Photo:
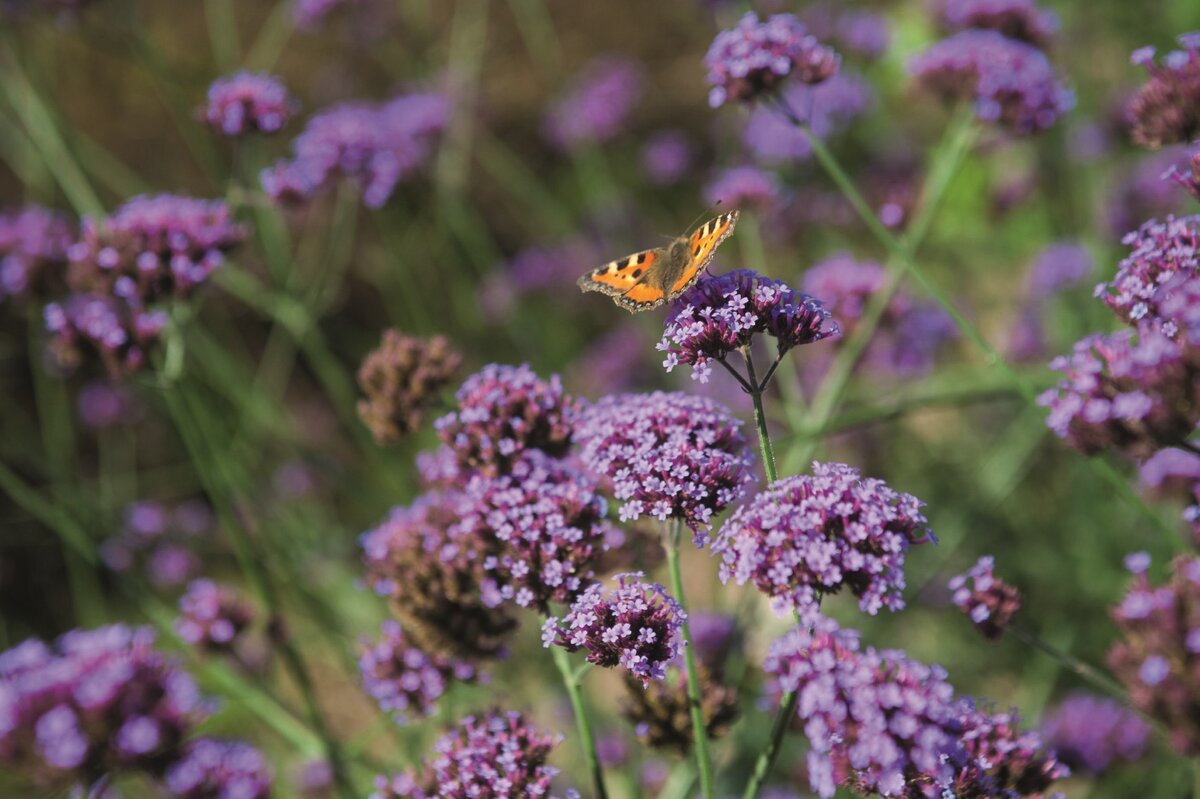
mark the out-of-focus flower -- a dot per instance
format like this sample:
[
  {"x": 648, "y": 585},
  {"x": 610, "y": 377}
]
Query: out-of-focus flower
[
  {"x": 615, "y": 361},
  {"x": 1091, "y": 733},
  {"x": 97, "y": 702},
  {"x": 503, "y": 411},
  {"x": 493, "y": 756},
  {"x": 1157, "y": 658},
  {"x": 636, "y": 626},
  {"x": 214, "y": 769},
  {"x": 102, "y": 404},
  {"x": 805, "y": 536},
  {"x": 989, "y": 602},
  {"x": 1187, "y": 175},
  {"x": 666, "y": 455},
  {"x": 1148, "y": 191},
  {"x": 1166, "y": 108},
  {"x": 1017, "y": 19},
  {"x": 1056, "y": 267},
  {"x": 612, "y": 750},
  {"x": 854, "y": 31},
  {"x": 100, "y": 326},
  {"x": 597, "y": 107},
  {"x": 826, "y": 108},
  {"x": 212, "y": 617},
  {"x": 713, "y": 637},
  {"x": 248, "y": 102},
  {"x": 1002, "y": 760},
  {"x": 550, "y": 266},
  {"x": 14, "y": 10},
  {"x": 754, "y": 57},
  {"x": 661, "y": 714},
  {"x": 33, "y": 252},
  {"x": 406, "y": 681},
  {"x": 1171, "y": 471},
  {"x": 376, "y": 145},
  {"x": 743, "y": 187},
  {"x": 158, "y": 539},
  {"x": 311, "y": 14},
  {"x": 720, "y": 315},
  {"x": 313, "y": 779},
  {"x": 667, "y": 157},
  {"x": 1158, "y": 252},
  {"x": 402, "y": 378},
  {"x": 1010, "y": 83}
]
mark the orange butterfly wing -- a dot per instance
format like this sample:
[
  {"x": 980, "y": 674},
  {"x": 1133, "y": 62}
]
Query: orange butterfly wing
[
  {"x": 617, "y": 278},
  {"x": 702, "y": 245}
]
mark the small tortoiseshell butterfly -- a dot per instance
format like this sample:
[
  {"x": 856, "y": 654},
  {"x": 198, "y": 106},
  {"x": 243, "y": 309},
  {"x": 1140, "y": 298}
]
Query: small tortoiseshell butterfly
[{"x": 649, "y": 278}]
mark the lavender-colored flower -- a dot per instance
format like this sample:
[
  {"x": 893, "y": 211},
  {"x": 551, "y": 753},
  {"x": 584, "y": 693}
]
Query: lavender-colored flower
[
  {"x": 98, "y": 701},
  {"x": 1166, "y": 108},
  {"x": 503, "y": 411},
  {"x": 312, "y": 14},
  {"x": 406, "y": 681},
  {"x": 1091, "y": 733},
  {"x": 248, "y": 102},
  {"x": 805, "y": 536},
  {"x": 741, "y": 187},
  {"x": 1137, "y": 392},
  {"x": 551, "y": 266},
  {"x": 376, "y": 145},
  {"x": 103, "y": 404},
  {"x": 1171, "y": 471},
  {"x": 314, "y": 779},
  {"x": 614, "y": 361},
  {"x": 214, "y": 769},
  {"x": 714, "y": 636},
  {"x": 636, "y": 626},
  {"x": 1056, "y": 267},
  {"x": 596, "y": 108},
  {"x": 401, "y": 379},
  {"x": 1157, "y": 658},
  {"x": 493, "y": 756},
  {"x": 1017, "y": 19},
  {"x": 1149, "y": 190},
  {"x": 1002, "y": 760},
  {"x": 212, "y": 617},
  {"x": 1011, "y": 83},
  {"x": 720, "y": 315},
  {"x": 110, "y": 329},
  {"x": 33, "y": 251},
  {"x": 754, "y": 57},
  {"x": 1159, "y": 251},
  {"x": 157, "y": 539},
  {"x": 858, "y": 32},
  {"x": 666, "y": 455},
  {"x": 1187, "y": 175},
  {"x": 826, "y": 108},
  {"x": 989, "y": 602},
  {"x": 667, "y": 157}
]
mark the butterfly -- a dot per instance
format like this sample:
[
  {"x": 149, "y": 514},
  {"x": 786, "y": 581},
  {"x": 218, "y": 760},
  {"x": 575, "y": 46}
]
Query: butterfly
[{"x": 649, "y": 278}]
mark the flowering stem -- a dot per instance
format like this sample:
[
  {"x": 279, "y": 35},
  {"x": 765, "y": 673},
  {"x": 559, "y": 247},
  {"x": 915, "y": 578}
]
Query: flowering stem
[
  {"x": 766, "y": 759},
  {"x": 571, "y": 681},
  {"x": 760, "y": 418},
  {"x": 1073, "y": 664},
  {"x": 699, "y": 729}
]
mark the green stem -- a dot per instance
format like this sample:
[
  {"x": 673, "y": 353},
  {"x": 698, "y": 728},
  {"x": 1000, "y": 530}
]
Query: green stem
[
  {"x": 571, "y": 681},
  {"x": 1071, "y": 663},
  {"x": 699, "y": 728},
  {"x": 766, "y": 759},
  {"x": 760, "y": 420}
]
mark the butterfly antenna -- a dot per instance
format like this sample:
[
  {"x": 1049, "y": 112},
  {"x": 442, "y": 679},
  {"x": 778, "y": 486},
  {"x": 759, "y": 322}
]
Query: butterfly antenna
[{"x": 706, "y": 212}]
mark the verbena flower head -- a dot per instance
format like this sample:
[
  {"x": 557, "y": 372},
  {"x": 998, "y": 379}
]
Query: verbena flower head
[
  {"x": 1157, "y": 657},
  {"x": 33, "y": 251},
  {"x": 636, "y": 626},
  {"x": 248, "y": 102},
  {"x": 827, "y": 108},
  {"x": 1002, "y": 760},
  {"x": 402, "y": 378},
  {"x": 1170, "y": 471},
  {"x": 212, "y": 617},
  {"x": 100, "y": 327},
  {"x": 743, "y": 187},
  {"x": 158, "y": 539},
  {"x": 406, "y": 681},
  {"x": 597, "y": 107},
  {"x": 1187, "y": 174},
  {"x": 1022, "y": 20},
  {"x": 102, "y": 404},
  {"x": 721, "y": 314},
  {"x": 1137, "y": 392},
  {"x": 1057, "y": 267},
  {"x": 660, "y": 712},
  {"x": 666, "y": 455},
  {"x": 987, "y": 600},
  {"x": 755, "y": 56},
  {"x": 1011, "y": 83},
  {"x": 96, "y": 702},
  {"x": 1092, "y": 733},
  {"x": 1149, "y": 189},
  {"x": 376, "y": 145},
  {"x": 1166, "y": 108},
  {"x": 503, "y": 411},
  {"x": 809, "y": 535},
  {"x": 495, "y": 755},
  {"x": 215, "y": 769},
  {"x": 667, "y": 157},
  {"x": 854, "y": 31},
  {"x": 1159, "y": 251}
]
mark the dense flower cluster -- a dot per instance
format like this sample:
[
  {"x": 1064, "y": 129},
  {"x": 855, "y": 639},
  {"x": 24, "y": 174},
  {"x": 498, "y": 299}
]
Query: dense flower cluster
[
  {"x": 33, "y": 251},
  {"x": 636, "y": 626},
  {"x": 987, "y": 600},
  {"x": 667, "y": 157},
  {"x": 721, "y": 315},
  {"x": 212, "y": 616},
  {"x": 104, "y": 327},
  {"x": 597, "y": 106},
  {"x": 376, "y": 145},
  {"x": 401, "y": 380},
  {"x": 1166, "y": 108},
  {"x": 492, "y": 756},
  {"x": 1187, "y": 174},
  {"x": 666, "y": 455},
  {"x": 1002, "y": 760},
  {"x": 1157, "y": 658},
  {"x": 809, "y": 535},
  {"x": 214, "y": 769},
  {"x": 98, "y": 701},
  {"x": 1159, "y": 251},
  {"x": 158, "y": 539},
  {"x": 503, "y": 411},
  {"x": 405, "y": 680},
  {"x": 248, "y": 102},
  {"x": 1091, "y": 733},
  {"x": 1017, "y": 19},
  {"x": 825, "y": 108},
  {"x": 661, "y": 711},
  {"x": 1010, "y": 82},
  {"x": 755, "y": 56}
]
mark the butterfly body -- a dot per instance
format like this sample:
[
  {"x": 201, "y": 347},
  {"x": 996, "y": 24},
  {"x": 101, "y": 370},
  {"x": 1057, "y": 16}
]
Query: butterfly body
[{"x": 649, "y": 278}]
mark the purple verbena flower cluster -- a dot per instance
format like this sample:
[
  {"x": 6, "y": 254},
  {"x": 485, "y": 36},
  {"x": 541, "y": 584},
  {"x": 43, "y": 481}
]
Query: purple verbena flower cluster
[
  {"x": 1003, "y": 761},
  {"x": 667, "y": 157},
  {"x": 33, "y": 251},
  {"x": 754, "y": 57},
  {"x": 405, "y": 680},
  {"x": 597, "y": 106},
  {"x": 248, "y": 102},
  {"x": 1148, "y": 190},
  {"x": 101, "y": 326},
  {"x": 212, "y": 617},
  {"x": 1159, "y": 251},
  {"x": 826, "y": 108},
  {"x": 743, "y": 187},
  {"x": 1091, "y": 733},
  {"x": 158, "y": 539},
  {"x": 855, "y": 31},
  {"x": 989, "y": 602},
  {"x": 1021, "y": 20},
  {"x": 636, "y": 626},
  {"x": 805, "y": 536},
  {"x": 401, "y": 380},
  {"x": 666, "y": 455},
  {"x": 216, "y": 769},
  {"x": 1166, "y": 108},
  {"x": 1056, "y": 267}
]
